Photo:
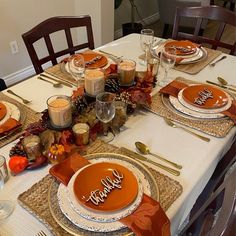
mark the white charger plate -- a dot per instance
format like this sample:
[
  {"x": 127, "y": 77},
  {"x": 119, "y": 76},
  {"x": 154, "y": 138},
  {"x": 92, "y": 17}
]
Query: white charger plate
[
  {"x": 180, "y": 107},
  {"x": 12, "y": 112},
  {"x": 102, "y": 216},
  {"x": 202, "y": 110},
  {"x": 149, "y": 187}
]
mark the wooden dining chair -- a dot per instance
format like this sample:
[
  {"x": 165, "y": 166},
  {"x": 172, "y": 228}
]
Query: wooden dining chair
[
  {"x": 2, "y": 84},
  {"x": 215, "y": 13},
  {"x": 214, "y": 212},
  {"x": 46, "y": 30}
]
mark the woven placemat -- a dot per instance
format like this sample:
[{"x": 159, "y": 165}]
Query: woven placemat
[
  {"x": 28, "y": 116},
  {"x": 59, "y": 72},
  {"x": 194, "y": 68},
  {"x": 214, "y": 127},
  {"x": 35, "y": 199}
]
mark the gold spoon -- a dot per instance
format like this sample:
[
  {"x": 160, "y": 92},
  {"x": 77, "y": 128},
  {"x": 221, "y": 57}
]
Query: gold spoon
[
  {"x": 55, "y": 85},
  {"x": 172, "y": 124},
  {"x": 143, "y": 148},
  {"x": 224, "y": 82}
]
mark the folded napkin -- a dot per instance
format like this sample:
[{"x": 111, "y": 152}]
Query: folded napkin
[
  {"x": 9, "y": 125},
  {"x": 148, "y": 219},
  {"x": 175, "y": 86}
]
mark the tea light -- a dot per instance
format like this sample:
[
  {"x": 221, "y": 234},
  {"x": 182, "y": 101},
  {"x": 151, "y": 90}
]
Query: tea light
[
  {"x": 126, "y": 72},
  {"x": 32, "y": 147},
  {"x": 81, "y": 133},
  {"x": 59, "y": 109},
  {"x": 94, "y": 82}
]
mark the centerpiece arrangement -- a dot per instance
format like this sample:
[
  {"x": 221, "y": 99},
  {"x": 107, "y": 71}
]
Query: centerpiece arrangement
[{"x": 55, "y": 143}]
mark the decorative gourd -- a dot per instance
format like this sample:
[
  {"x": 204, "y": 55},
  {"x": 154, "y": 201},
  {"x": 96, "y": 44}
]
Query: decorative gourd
[{"x": 56, "y": 153}]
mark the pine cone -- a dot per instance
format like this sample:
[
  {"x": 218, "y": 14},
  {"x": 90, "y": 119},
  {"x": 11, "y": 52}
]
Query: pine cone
[{"x": 112, "y": 85}]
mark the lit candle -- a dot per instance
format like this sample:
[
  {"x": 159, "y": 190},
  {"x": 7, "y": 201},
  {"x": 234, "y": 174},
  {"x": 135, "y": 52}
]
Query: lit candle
[
  {"x": 94, "y": 82},
  {"x": 81, "y": 133},
  {"x": 126, "y": 72},
  {"x": 32, "y": 146},
  {"x": 59, "y": 109}
]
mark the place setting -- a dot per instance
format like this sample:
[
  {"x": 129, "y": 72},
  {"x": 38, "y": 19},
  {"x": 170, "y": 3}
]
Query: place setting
[
  {"x": 200, "y": 106},
  {"x": 191, "y": 58}
]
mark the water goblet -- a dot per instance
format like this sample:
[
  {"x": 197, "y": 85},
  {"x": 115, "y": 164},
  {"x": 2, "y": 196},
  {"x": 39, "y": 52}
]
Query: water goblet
[
  {"x": 76, "y": 67},
  {"x": 105, "y": 111},
  {"x": 146, "y": 40},
  {"x": 167, "y": 61},
  {"x": 6, "y": 206}
]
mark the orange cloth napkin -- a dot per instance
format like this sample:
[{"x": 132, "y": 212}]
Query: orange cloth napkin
[
  {"x": 8, "y": 126},
  {"x": 148, "y": 219},
  {"x": 175, "y": 86}
]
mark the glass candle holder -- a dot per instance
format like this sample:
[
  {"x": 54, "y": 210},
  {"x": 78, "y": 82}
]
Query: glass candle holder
[
  {"x": 153, "y": 66},
  {"x": 59, "y": 109},
  {"x": 126, "y": 72},
  {"x": 32, "y": 146},
  {"x": 94, "y": 82},
  {"x": 81, "y": 133}
]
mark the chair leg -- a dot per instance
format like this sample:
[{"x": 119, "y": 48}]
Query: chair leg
[
  {"x": 165, "y": 30},
  {"x": 232, "y": 6}
]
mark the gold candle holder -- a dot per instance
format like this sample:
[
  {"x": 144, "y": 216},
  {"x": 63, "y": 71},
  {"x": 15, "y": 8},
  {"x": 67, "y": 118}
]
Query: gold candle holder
[
  {"x": 81, "y": 133},
  {"x": 126, "y": 72}
]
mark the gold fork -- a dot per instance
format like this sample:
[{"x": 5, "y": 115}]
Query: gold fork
[
  {"x": 25, "y": 101},
  {"x": 41, "y": 233},
  {"x": 172, "y": 124}
]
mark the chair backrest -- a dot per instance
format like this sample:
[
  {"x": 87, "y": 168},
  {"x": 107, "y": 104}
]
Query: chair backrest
[
  {"x": 50, "y": 26},
  {"x": 2, "y": 84},
  {"x": 215, "y": 13}
]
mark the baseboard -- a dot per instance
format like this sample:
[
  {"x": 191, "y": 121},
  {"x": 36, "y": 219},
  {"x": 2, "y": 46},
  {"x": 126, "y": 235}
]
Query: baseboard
[
  {"x": 147, "y": 21},
  {"x": 29, "y": 71},
  {"x": 19, "y": 75}
]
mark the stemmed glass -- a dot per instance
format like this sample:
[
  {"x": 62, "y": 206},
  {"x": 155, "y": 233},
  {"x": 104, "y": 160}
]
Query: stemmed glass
[
  {"x": 146, "y": 40},
  {"x": 167, "y": 61},
  {"x": 6, "y": 206},
  {"x": 105, "y": 111},
  {"x": 76, "y": 67}
]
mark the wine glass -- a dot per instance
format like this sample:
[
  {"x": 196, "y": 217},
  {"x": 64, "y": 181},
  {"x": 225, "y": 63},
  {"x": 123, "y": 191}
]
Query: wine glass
[
  {"x": 146, "y": 40},
  {"x": 76, "y": 67},
  {"x": 167, "y": 61},
  {"x": 6, "y": 206},
  {"x": 105, "y": 111}
]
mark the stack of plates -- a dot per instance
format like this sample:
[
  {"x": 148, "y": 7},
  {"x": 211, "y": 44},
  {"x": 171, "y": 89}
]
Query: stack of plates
[
  {"x": 187, "y": 52},
  {"x": 8, "y": 110},
  {"x": 212, "y": 108},
  {"x": 132, "y": 181}
]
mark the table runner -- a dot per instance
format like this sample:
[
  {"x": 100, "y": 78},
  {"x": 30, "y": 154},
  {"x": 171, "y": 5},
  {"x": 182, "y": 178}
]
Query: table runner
[
  {"x": 35, "y": 199},
  {"x": 28, "y": 116},
  {"x": 214, "y": 127}
]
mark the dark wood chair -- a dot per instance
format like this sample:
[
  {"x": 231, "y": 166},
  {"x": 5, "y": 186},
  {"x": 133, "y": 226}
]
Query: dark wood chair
[
  {"x": 2, "y": 84},
  {"x": 218, "y": 14},
  {"x": 218, "y": 197},
  {"x": 47, "y": 28},
  {"x": 225, "y": 2}
]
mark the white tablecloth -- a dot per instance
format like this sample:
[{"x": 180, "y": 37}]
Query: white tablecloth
[{"x": 198, "y": 158}]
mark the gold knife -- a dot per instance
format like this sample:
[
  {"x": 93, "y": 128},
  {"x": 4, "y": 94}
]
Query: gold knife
[
  {"x": 139, "y": 157},
  {"x": 222, "y": 86},
  {"x": 66, "y": 83}
]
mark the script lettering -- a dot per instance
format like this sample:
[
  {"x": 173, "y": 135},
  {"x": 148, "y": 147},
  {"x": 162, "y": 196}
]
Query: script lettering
[
  {"x": 98, "y": 196},
  {"x": 203, "y": 96}
]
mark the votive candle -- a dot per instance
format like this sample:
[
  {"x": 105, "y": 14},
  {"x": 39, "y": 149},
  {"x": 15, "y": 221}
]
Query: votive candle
[{"x": 126, "y": 72}]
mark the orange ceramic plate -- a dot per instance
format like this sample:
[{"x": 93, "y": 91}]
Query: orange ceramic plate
[
  {"x": 89, "y": 179},
  {"x": 3, "y": 111},
  {"x": 183, "y": 47},
  {"x": 89, "y": 56},
  {"x": 219, "y": 99}
]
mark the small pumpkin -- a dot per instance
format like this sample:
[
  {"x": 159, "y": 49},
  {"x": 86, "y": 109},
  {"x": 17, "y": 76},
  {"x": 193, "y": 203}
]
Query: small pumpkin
[{"x": 56, "y": 153}]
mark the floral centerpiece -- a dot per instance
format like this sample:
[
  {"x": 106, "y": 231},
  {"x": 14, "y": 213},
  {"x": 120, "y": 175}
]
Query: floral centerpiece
[{"x": 57, "y": 144}]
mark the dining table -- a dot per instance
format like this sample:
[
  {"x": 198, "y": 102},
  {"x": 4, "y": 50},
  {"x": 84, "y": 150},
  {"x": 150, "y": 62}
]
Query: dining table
[{"x": 198, "y": 158}]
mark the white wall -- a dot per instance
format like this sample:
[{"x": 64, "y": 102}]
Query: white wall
[{"x": 20, "y": 16}]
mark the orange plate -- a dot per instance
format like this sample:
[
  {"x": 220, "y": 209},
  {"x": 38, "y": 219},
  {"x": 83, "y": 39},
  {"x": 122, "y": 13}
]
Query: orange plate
[
  {"x": 88, "y": 56},
  {"x": 185, "y": 44},
  {"x": 3, "y": 111},
  {"x": 89, "y": 179},
  {"x": 219, "y": 99}
]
